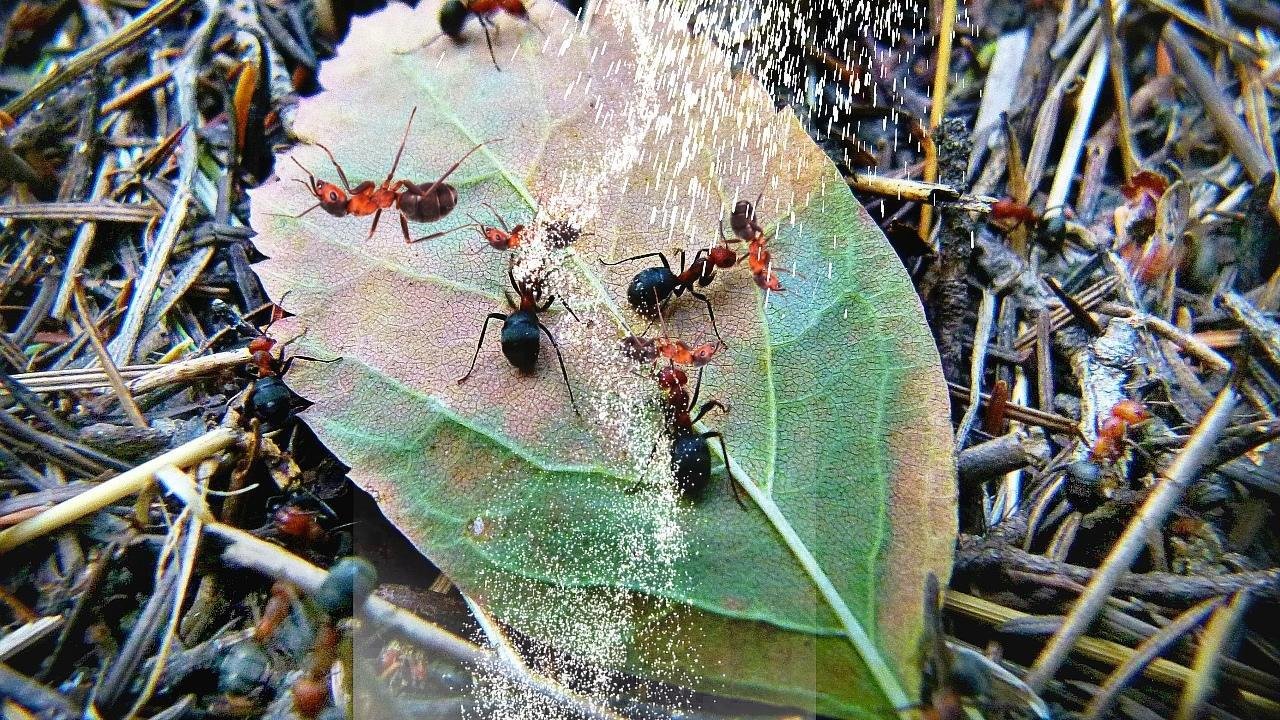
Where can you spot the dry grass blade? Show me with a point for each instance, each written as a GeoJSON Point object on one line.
{"type": "Point", "coordinates": [1214, 644]}
{"type": "Point", "coordinates": [98, 211]}
{"type": "Point", "coordinates": [1148, 651]}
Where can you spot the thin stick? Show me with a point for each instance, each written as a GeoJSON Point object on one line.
{"type": "Point", "coordinates": [131, 409]}
{"type": "Point", "coordinates": [1213, 645]}
{"type": "Point", "coordinates": [1119, 86]}
{"type": "Point", "coordinates": [1144, 654]}
{"type": "Point", "coordinates": [91, 57]}
{"type": "Point", "coordinates": [121, 486]}
{"type": "Point", "coordinates": [1217, 105]}
{"type": "Point", "coordinates": [1148, 520]}
{"type": "Point", "coordinates": [1069, 158]}
{"type": "Point", "coordinates": [937, 108]}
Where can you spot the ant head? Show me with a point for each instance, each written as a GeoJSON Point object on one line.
{"type": "Point", "coordinates": [744, 209]}
{"type": "Point", "coordinates": [453, 14]}
{"type": "Point", "coordinates": [332, 198]}
{"type": "Point", "coordinates": [703, 353]}
{"type": "Point", "coordinates": [1131, 411]}
{"type": "Point", "coordinates": [262, 343]}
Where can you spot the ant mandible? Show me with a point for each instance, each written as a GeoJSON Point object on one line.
{"type": "Point", "coordinates": [454, 14]}
{"type": "Point", "coordinates": [424, 203]}
{"type": "Point", "coordinates": [520, 341]}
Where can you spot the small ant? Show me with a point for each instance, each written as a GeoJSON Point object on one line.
{"type": "Point", "coordinates": [424, 203]}
{"type": "Point", "coordinates": [1010, 213]}
{"type": "Point", "coordinates": [690, 453]}
{"type": "Point", "coordinates": [642, 349]}
{"type": "Point", "coordinates": [520, 341]}
{"type": "Point", "coordinates": [500, 239]}
{"type": "Point", "coordinates": [747, 228]}
{"type": "Point", "coordinates": [947, 680]}
{"type": "Point", "coordinates": [454, 14]}
{"type": "Point", "coordinates": [1111, 433]}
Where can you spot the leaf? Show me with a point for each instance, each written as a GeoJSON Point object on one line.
{"type": "Point", "coordinates": [838, 423]}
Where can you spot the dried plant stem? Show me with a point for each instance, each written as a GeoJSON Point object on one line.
{"type": "Point", "coordinates": [937, 108]}
{"type": "Point", "coordinates": [121, 486]}
{"type": "Point", "coordinates": [86, 60]}
{"type": "Point", "coordinates": [917, 191]}
{"type": "Point", "coordinates": [131, 409]}
{"type": "Point", "coordinates": [1112, 653]}
{"type": "Point", "coordinates": [1069, 158]}
{"type": "Point", "coordinates": [245, 550]}
{"type": "Point", "coordinates": [1213, 646]}
{"type": "Point", "coordinates": [1144, 654]}
{"type": "Point", "coordinates": [186, 79]}
{"type": "Point", "coordinates": [98, 210]}
{"type": "Point", "coordinates": [1217, 105]}
{"type": "Point", "coordinates": [1120, 87]}
{"type": "Point", "coordinates": [1148, 520]}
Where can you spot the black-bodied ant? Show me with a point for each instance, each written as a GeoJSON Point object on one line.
{"type": "Point", "coordinates": [455, 13]}
{"type": "Point", "coordinates": [520, 340]}
{"type": "Point", "coordinates": [651, 287]}
{"type": "Point", "coordinates": [948, 681]}
{"type": "Point", "coordinates": [269, 400]}
{"type": "Point", "coordinates": [690, 453]}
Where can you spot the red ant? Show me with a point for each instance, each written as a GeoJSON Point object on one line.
{"type": "Point", "coordinates": [454, 14]}
{"type": "Point", "coordinates": [677, 352]}
{"type": "Point", "coordinates": [269, 399]}
{"type": "Point", "coordinates": [500, 239]}
{"type": "Point", "coordinates": [747, 228]}
{"type": "Point", "coordinates": [520, 340]}
{"type": "Point", "coordinates": [424, 203]}
{"type": "Point", "coordinates": [1111, 433]}
{"type": "Point", "coordinates": [1011, 213]}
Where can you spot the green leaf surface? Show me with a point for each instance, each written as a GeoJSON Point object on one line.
{"type": "Point", "coordinates": [838, 416]}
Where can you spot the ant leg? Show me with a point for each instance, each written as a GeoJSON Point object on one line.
{"type": "Point", "coordinates": [295, 217]}
{"type": "Point", "coordinates": [563, 371]}
{"type": "Point", "coordinates": [396, 163]}
{"type": "Point", "coordinates": [501, 220]}
{"type": "Point", "coordinates": [483, 329]}
{"type": "Point", "coordinates": [697, 388]}
{"type": "Point", "coordinates": [453, 167]}
{"type": "Point", "coordinates": [658, 255]}
{"type": "Point", "coordinates": [571, 312]}
{"type": "Point", "coordinates": [288, 362]}
{"type": "Point", "coordinates": [373, 228]}
{"type": "Point", "coordinates": [640, 483]}
{"type": "Point", "coordinates": [435, 235]}
{"type": "Point", "coordinates": [489, 41]}
{"type": "Point", "coordinates": [708, 407]}
{"type": "Point", "coordinates": [710, 313]}
{"type": "Point", "coordinates": [733, 481]}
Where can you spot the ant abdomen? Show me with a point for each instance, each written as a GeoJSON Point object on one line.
{"type": "Point", "coordinates": [648, 289]}
{"type": "Point", "coordinates": [421, 203]}
{"type": "Point", "coordinates": [520, 342]}
{"type": "Point", "coordinates": [690, 464]}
